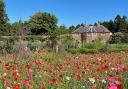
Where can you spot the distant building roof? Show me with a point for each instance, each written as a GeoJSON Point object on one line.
{"type": "Point", "coordinates": [91, 29]}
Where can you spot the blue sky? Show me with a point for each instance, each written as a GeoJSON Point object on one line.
{"type": "Point", "coordinates": [69, 12]}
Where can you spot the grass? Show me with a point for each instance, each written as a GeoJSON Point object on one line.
{"type": "Point", "coordinates": [98, 47]}
{"type": "Point", "coordinates": [118, 47]}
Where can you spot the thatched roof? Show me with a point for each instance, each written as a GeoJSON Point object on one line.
{"type": "Point", "coordinates": [91, 29]}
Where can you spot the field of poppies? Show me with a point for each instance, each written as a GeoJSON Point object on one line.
{"type": "Point", "coordinates": [79, 71]}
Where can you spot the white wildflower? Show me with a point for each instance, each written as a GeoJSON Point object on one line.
{"type": "Point", "coordinates": [68, 78]}
{"type": "Point", "coordinates": [103, 81]}
{"type": "Point", "coordinates": [92, 80]}
{"type": "Point", "coordinates": [5, 74]}
{"type": "Point", "coordinates": [8, 88]}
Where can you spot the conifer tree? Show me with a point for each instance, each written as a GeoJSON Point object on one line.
{"type": "Point", "coordinates": [3, 18]}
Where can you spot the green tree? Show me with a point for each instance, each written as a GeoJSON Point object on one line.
{"type": "Point", "coordinates": [62, 29]}
{"type": "Point", "coordinates": [41, 23]}
{"type": "Point", "coordinates": [16, 26]}
{"type": "Point", "coordinates": [72, 28]}
{"type": "Point", "coordinates": [110, 25]}
{"type": "Point", "coordinates": [79, 25]}
{"type": "Point", "coordinates": [121, 23]}
{"type": "Point", "coordinates": [3, 18]}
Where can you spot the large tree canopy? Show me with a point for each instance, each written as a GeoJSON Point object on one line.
{"type": "Point", "coordinates": [3, 18]}
{"type": "Point", "coordinates": [41, 23]}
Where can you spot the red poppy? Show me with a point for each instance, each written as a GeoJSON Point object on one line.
{"type": "Point", "coordinates": [60, 75]}
{"type": "Point", "coordinates": [16, 86]}
{"type": "Point", "coordinates": [120, 87]}
{"type": "Point", "coordinates": [43, 87]}
{"type": "Point", "coordinates": [15, 76]}
{"type": "Point", "coordinates": [78, 77]}
{"type": "Point", "coordinates": [97, 70]}
{"type": "Point", "coordinates": [106, 67]}
{"type": "Point", "coordinates": [8, 68]}
{"type": "Point", "coordinates": [124, 69]}
{"type": "Point", "coordinates": [83, 72]}
{"type": "Point", "coordinates": [28, 66]}
{"type": "Point", "coordinates": [119, 80]}
{"type": "Point", "coordinates": [117, 73]}
{"type": "Point", "coordinates": [7, 64]}
{"type": "Point", "coordinates": [54, 81]}
{"type": "Point", "coordinates": [48, 80]}
{"type": "Point", "coordinates": [60, 81]}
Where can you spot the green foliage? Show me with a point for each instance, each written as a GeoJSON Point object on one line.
{"type": "Point", "coordinates": [41, 23]}
{"type": "Point", "coordinates": [118, 47]}
{"type": "Point", "coordinates": [117, 37]}
{"type": "Point", "coordinates": [15, 28]}
{"type": "Point", "coordinates": [72, 28]}
{"type": "Point", "coordinates": [95, 45]}
{"type": "Point", "coordinates": [125, 38]}
{"type": "Point", "coordinates": [81, 50]}
{"type": "Point", "coordinates": [119, 24]}
{"type": "Point", "coordinates": [7, 45]}
{"type": "Point", "coordinates": [37, 45]}
{"type": "Point", "coordinates": [62, 30]}
{"type": "Point", "coordinates": [3, 18]}
{"type": "Point", "coordinates": [88, 47]}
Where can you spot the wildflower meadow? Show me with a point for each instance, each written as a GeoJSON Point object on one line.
{"type": "Point", "coordinates": [90, 71]}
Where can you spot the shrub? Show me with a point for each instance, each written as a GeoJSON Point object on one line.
{"type": "Point", "coordinates": [125, 38]}
{"type": "Point", "coordinates": [95, 45]}
{"type": "Point", "coordinates": [7, 45]}
{"type": "Point", "coordinates": [117, 37]}
{"type": "Point", "coordinates": [88, 47]}
{"type": "Point", "coordinates": [118, 47]}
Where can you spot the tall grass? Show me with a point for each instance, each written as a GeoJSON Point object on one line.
{"type": "Point", "coordinates": [118, 47]}
{"type": "Point", "coordinates": [88, 47]}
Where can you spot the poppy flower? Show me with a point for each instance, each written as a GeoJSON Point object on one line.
{"type": "Point", "coordinates": [54, 81]}
{"type": "Point", "coordinates": [25, 83]}
{"type": "Point", "coordinates": [124, 69]}
{"type": "Point", "coordinates": [28, 66]}
{"type": "Point", "coordinates": [84, 72]}
{"type": "Point", "coordinates": [30, 71]}
{"type": "Point", "coordinates": [60, 75]}
{"type": "Point", "coordinates": [43, 87]}
{"type": "Point", "coordinates": [78, 77]}
{"type": "Point", "coordinates": [117, 73]}
{"type": "Point", "coordinates": [120, 87]}
{"type": "Point", "coordinates": [16, 86]}
{"type": "Point", "coordinates": [119, 80]}
{"type": "Point", "coordinates": [15, 74]}
{"type": "Point", "coordinates": [111, 78]}
{"type": "Point", "coordinates": [112, 86]}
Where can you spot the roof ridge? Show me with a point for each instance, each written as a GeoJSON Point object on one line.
{"type": "Point", "coordinates": [91, 29]}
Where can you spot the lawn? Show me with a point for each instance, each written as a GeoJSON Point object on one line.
{"type": "Point", "coordinates": [78, 71]}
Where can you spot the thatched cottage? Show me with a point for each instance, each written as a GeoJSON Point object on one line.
{"type": "Point", "coordinates": [91, 33]}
